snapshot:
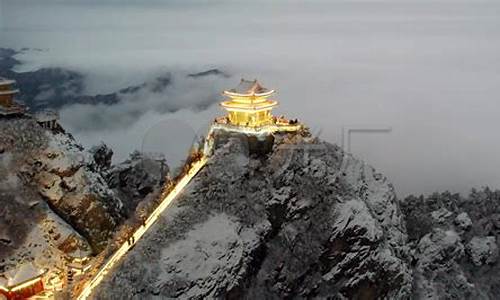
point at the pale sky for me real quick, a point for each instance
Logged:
(429, 69)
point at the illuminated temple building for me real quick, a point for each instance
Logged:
(248, 104)
(249, 110)
(8, 104)
(249, 117)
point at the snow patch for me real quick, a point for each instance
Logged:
(441, 215)
(483, 250)
(208, 249)
(463, 221)
(354, 216)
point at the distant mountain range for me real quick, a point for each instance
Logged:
(54, 88)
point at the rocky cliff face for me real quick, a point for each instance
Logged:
(306, 220)
(56, 169)
(454, 243)
(56, 197)
(138, 179)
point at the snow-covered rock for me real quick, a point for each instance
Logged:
(55, 200)
(102, 155)
(483, 250)
(441, 215)
(137, 177)
(52, 200)
(70, 181)
(29, 230)
(454, 252)
(207, 255)
(436, 256)
(463, 221)
(304, 221)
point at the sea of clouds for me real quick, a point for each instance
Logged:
(428, 69)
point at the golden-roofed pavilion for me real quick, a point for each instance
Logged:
(8, 104)
(248, 104)
(7, 92)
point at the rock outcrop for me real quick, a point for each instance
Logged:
(55, 168)
(304, 221)
(454, 243)
(57, 199)
(137, 178)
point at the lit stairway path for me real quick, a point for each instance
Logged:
(96, 280)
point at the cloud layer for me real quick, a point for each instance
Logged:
(429, 69)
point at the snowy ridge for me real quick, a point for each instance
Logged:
(289, 224)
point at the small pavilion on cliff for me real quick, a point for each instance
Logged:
(8, 105)
(249, 110)
(249, 113)
(248, 104)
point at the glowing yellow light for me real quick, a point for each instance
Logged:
(94, 282)
(247, 107)
(20, 286)
(25, 284)
(234, 94)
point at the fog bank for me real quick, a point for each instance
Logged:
(428, 69)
